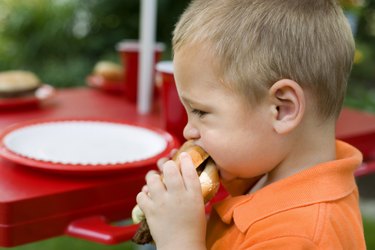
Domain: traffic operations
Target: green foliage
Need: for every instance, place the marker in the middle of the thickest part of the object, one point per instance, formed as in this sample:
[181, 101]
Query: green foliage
[61, 40]
[360, 96]
[37, 35]
[364, 70]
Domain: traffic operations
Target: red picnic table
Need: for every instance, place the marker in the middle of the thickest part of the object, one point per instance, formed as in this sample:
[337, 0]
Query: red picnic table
[36, 205]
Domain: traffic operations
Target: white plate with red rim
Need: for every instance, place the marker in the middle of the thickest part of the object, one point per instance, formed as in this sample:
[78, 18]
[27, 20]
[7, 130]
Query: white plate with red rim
[84, 146]
[42, 94]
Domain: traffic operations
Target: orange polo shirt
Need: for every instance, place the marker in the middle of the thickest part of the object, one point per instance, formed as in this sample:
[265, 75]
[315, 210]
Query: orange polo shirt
[314, 209]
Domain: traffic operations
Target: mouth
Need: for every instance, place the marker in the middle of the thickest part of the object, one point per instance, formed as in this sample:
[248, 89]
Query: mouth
[202, 166]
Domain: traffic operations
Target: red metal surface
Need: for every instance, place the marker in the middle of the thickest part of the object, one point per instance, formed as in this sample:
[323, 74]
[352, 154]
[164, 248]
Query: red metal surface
[358, 129]
[366, 168]
[35, 205]
[97, 228]
[354, 123]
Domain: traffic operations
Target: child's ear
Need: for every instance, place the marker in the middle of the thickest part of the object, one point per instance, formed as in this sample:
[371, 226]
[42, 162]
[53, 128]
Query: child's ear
[288, 105]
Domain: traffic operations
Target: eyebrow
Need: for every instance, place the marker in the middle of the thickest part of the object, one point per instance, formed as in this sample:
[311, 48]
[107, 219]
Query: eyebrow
[195, 103]
[188, 100]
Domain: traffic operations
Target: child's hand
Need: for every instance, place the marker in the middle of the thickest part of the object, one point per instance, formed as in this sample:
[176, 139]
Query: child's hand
[160, 164]
[174, 206]
[161, 161]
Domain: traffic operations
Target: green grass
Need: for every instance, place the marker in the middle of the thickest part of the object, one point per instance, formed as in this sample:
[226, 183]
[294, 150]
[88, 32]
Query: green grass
[68, 243]
[369, 227]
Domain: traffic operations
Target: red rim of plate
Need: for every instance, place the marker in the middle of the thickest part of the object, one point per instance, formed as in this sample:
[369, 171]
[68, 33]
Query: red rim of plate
[80, 168]
[99, 82]
[28, 100]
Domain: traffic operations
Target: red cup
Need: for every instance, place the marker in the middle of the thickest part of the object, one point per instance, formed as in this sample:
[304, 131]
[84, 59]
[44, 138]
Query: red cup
[129, 53]
[173, 112]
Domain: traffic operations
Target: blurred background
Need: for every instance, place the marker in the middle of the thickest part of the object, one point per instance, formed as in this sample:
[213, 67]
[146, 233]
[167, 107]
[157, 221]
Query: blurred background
[62, 40]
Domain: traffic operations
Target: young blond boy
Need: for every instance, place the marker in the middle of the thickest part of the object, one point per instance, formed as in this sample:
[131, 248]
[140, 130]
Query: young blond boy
[263, 83]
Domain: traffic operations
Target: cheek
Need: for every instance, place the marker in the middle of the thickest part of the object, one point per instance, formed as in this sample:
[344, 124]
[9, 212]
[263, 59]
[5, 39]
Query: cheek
[227, 152]
[242, 153]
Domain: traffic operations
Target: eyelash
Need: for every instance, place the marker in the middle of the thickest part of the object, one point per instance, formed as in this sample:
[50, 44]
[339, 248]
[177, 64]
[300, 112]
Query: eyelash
[198, 112]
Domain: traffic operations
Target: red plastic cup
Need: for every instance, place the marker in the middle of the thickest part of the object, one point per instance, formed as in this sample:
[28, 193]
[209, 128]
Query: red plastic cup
[173, 112]
[129, 53]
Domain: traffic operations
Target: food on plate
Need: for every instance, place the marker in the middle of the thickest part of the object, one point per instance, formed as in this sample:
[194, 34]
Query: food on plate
[17, 83]
[208, 177]
[108, 70]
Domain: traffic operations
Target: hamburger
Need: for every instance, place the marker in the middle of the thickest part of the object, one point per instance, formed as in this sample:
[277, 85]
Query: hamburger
[108, 70]
[208, 177]
[18, 83]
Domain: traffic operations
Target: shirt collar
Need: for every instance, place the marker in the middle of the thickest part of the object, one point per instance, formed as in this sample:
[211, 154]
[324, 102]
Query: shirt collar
[325, 182]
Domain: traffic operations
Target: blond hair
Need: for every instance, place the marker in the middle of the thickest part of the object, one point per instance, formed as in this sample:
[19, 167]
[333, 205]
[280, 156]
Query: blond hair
[258, 42]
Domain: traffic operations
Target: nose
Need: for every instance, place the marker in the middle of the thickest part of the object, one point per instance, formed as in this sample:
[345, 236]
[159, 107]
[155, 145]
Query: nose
[191, 132]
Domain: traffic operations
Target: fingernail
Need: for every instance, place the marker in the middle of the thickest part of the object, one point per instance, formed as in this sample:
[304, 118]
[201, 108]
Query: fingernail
[184, 155]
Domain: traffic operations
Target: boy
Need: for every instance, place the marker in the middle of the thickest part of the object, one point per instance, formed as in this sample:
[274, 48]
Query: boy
[263, 83]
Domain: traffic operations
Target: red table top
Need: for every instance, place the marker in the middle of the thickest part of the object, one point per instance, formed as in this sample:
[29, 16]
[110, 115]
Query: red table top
[69, 103]
[354, 122]
[32, 199]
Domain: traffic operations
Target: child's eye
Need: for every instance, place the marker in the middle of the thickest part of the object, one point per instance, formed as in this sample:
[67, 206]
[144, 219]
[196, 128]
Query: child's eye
[198, 112]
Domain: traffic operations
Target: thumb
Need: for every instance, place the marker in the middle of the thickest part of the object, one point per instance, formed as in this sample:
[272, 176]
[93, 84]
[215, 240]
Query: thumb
[189, 173]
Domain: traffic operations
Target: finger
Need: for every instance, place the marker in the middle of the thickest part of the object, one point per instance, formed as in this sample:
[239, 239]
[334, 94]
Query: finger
[154, 184]
[189, 173]
[161, 162]
[172, 177]
[151, 172]
[143, 201]
[145, 189]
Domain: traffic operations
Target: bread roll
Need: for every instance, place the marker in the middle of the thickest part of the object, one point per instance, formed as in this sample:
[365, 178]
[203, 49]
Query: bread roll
[16, 83]
[209, 177]
[108, 70]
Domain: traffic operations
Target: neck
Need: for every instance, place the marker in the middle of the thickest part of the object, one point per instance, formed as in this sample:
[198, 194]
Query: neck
[308, 150]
